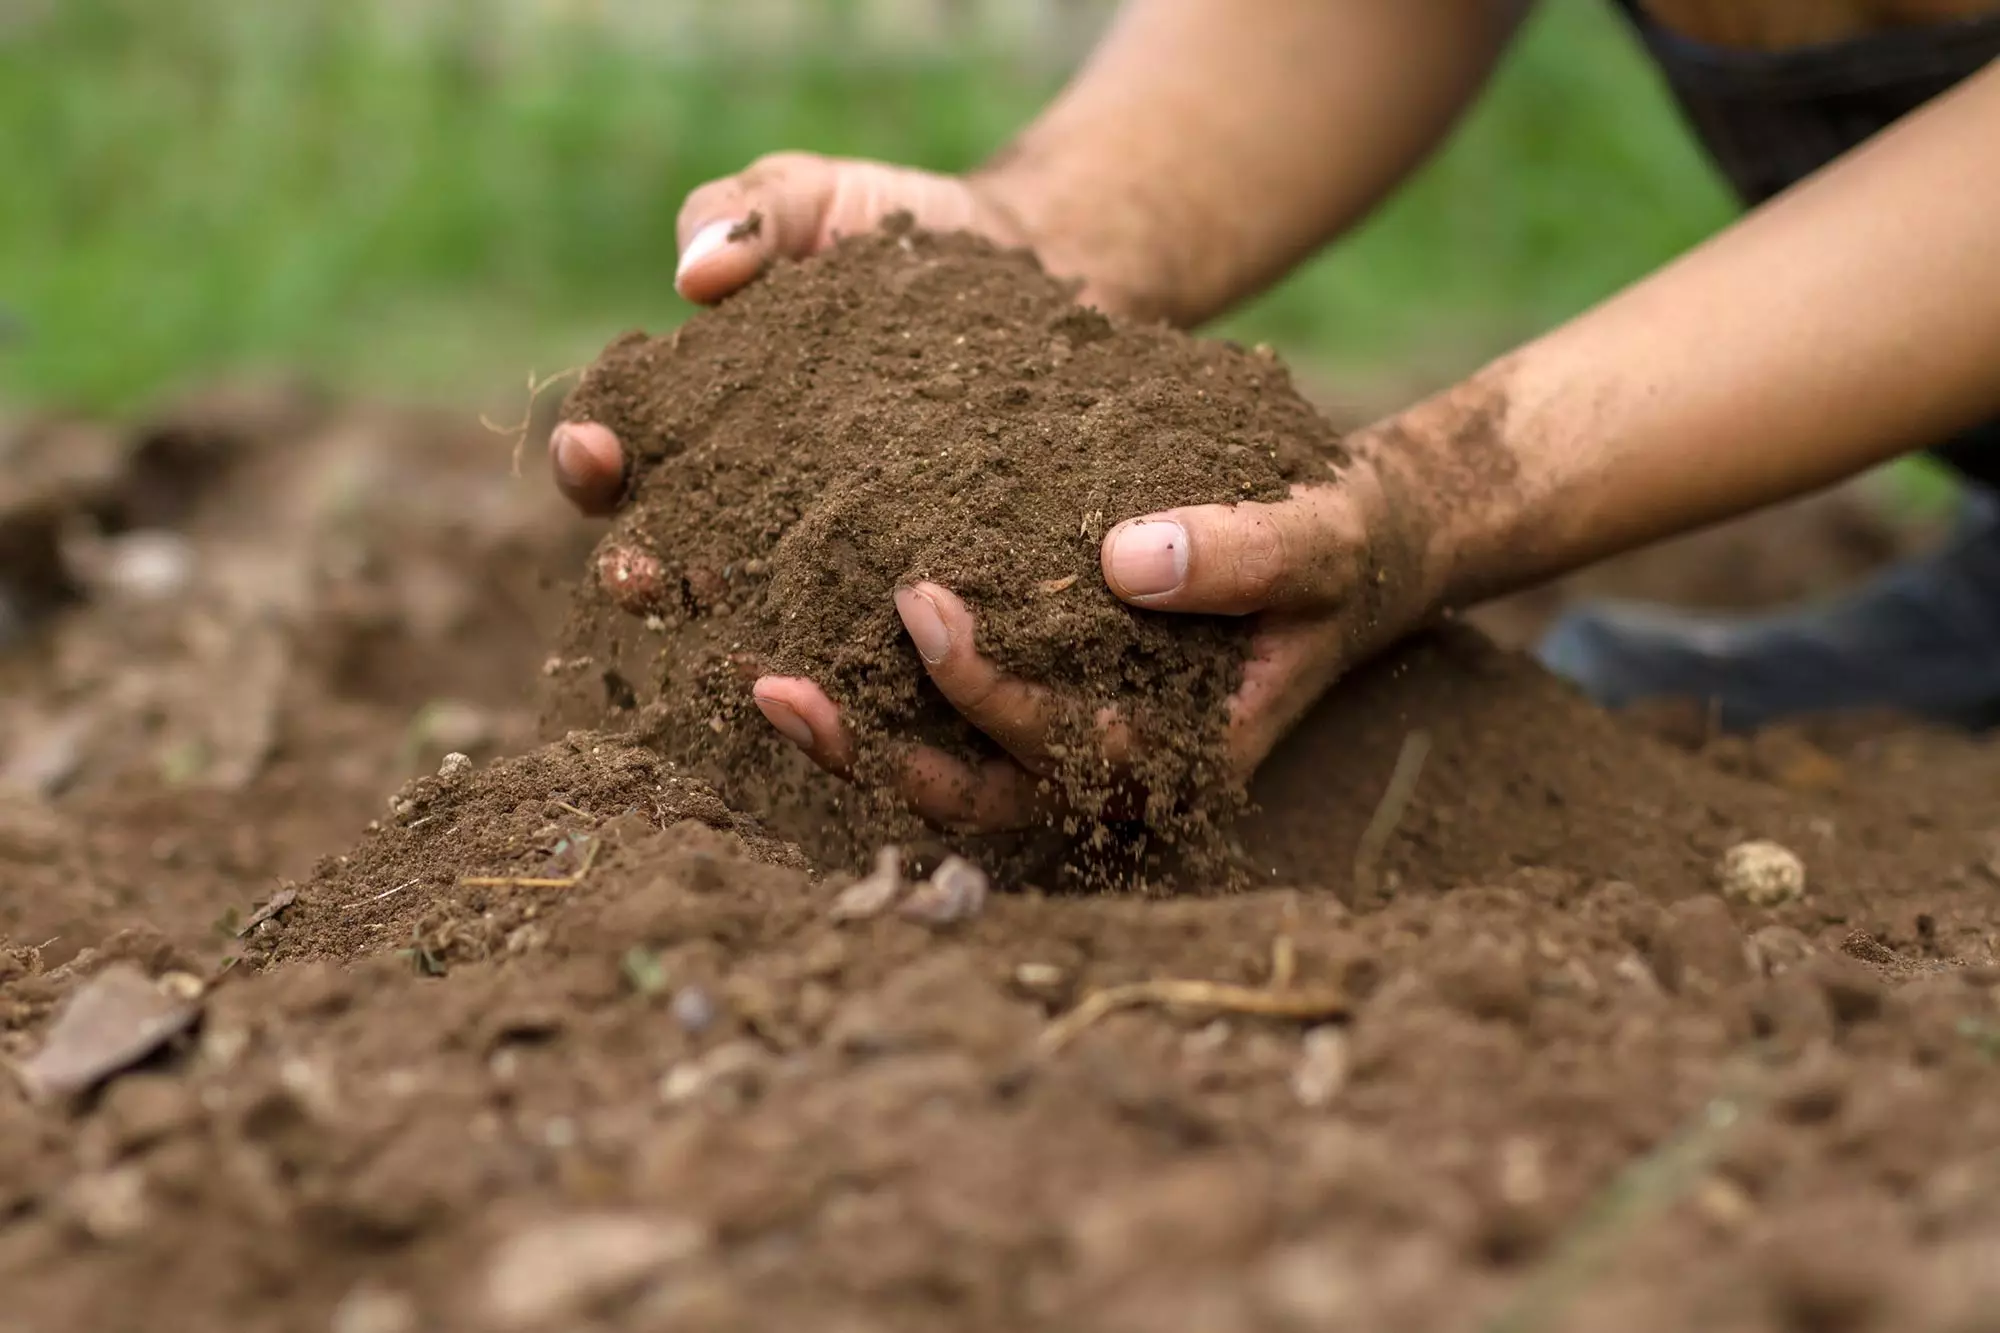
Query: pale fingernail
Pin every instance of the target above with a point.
(705, 243)
(926, 626)
(1147, 557)
(787, 720)
(572, 456)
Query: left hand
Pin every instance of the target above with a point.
(1320, 571)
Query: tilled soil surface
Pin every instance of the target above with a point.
(552, 1038)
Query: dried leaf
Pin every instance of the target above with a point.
(956, 891)
(280, 900)
(118, 1018)
(874, 893)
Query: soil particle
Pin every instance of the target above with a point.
(914, 407)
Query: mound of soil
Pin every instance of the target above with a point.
(911, 406)
(562, 1041)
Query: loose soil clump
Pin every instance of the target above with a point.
(916, 407)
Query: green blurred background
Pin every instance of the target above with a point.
(432, 199)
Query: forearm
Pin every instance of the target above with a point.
(1208, 146)
(1851, 320)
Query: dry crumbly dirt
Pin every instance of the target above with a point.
(911, 406)
(1569, 1085)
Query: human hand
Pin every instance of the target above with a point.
(784, 206)
(1328, 575)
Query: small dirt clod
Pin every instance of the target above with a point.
(1762, 874)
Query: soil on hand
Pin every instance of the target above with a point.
(554, 1036)
(915, 407)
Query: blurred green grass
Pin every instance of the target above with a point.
(422, 207)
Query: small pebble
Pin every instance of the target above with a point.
(736, 1065)
(1039, 979)
(150, 564)
(110, 1206)
(182, 985)
(1762, 874)
(694, 1009)
(1724, 1205)
(874, 893)
(1322, 1068)
(557, 1271)
(372, 1309)
(454, 767)
(956, 891)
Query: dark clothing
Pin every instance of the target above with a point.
(1771, 118)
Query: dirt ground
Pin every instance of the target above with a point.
(554, 1040)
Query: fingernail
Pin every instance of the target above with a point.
(926, 626)
(705, 243)
(572, 456)
(1147, 557)
(787, 720)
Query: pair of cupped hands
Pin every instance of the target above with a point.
(1298, 566)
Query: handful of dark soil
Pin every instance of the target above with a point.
(914, 406)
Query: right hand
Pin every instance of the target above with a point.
(802, 203)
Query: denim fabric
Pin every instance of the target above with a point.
(1922, 638)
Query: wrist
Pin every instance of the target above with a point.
(1062, 211)
(1455, 503)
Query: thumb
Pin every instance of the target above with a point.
(1298, 554)
(731, 228)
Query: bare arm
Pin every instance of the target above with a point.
(1204, 149)
(1210, 145)
(1853, 319)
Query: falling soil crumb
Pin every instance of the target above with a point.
(916, 407)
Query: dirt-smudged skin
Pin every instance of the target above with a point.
(909, 407)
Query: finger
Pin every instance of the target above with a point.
(997, 796)
(730, 229)
(589, 465)
(1297, 554)
(790, 205)
(992, 797)
(1018, 716)
(803, 715)
(1291, 664)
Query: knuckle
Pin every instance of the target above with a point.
(1256, 559)
(973, 689)
(703, 202)
(774, 168)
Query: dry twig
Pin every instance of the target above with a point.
(533, 881)
(519, 431)
(1389, 812)
(280, 900)
(1268, 1003)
